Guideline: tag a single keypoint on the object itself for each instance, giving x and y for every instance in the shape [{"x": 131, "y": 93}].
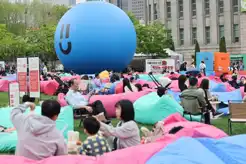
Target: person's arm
[
  {"x": 83, "y": 149},
  {"x": 17, "y": 114},
  {"x": 201, "y": 99},
  {"x": 61, "y": 147},
  {"x": 124, "y": 131},
  {"x": 72, "y": 101}
]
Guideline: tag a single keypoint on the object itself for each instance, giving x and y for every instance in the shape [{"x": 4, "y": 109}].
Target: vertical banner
[
  {"x": 22, "y": 75},
  {"x": 34, "y": 77},
  {"x": 221, "y": 62},
  {"x": 207, "y": 57},
  {"x": 243, "y": 5},
  {"x": 14, "y": 94}
]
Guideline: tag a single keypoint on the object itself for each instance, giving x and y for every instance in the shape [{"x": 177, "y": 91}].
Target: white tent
[{"x": 172, "y": 53}]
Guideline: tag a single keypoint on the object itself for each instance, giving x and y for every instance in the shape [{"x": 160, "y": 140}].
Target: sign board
[
  {"x": 2, "y": 64},
  {"x": 22, "y": 75},
  {"x": 158, "y": 65},
  {"x": 243, "y": 5},
  {"x": 34, "y": 77},
  {"x": 14, "y": 94}
]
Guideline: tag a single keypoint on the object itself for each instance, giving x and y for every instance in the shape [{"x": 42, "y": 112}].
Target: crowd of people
[{"x": 38, "y": 137}]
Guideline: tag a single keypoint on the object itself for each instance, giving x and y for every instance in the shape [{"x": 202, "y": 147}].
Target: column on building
[
  {"x": 200, "y": 21},
  {"x": 214, "y": 24},
  {"x": 228, "y": 21},
  {"x": 243, "y": 32},
  {"x": 175, "y": 22},
  {"x": 162, "y": 11},
  {"x": 187, "y": 22}
]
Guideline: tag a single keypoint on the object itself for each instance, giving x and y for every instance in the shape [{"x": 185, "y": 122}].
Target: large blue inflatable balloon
[{"x": 94, "y": 36}]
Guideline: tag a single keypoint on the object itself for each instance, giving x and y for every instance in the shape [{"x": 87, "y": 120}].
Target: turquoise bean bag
[
  {"x": 147, "y": 78},
  {"x": 8, "y": 141},
  {"x": 150, "y": 108}
]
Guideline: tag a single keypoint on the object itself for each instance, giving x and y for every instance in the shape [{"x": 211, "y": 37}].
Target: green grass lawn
[{"x": 219, "y": 123}]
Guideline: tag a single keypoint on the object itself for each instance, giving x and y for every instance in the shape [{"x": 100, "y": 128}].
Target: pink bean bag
[
  {"x": 229, "y": 88},
  {"x": 173, "y": 76},
  {"x": 61, "y": 99},
  {"x": 150, "y": 83},
  {"x": 198, "y": 128},
  {"x": 215, "y": 79},
  {"x": 132, "y": 155},
  {"x": 4, "y": 85},
  {"x": 242, "y": 91},
  {"x": 174, "y": 86},
  {"x": 109, "y": 101},
  {"x": 49, "y": 87},
  {"x": 67, "y": 78}
]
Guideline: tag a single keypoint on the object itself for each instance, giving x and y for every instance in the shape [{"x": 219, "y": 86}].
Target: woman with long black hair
[
  {"x": 128, "y": 87},
  {"x": 126, "y": 133},
  {"x": 181, "y": 82}
]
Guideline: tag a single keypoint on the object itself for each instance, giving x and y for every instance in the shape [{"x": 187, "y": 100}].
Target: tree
[
  {"x": 152, "y": 39},
  {"x": 197, "y": 49},
  {"x": 28, "y": 29},
  {"x": 223, "y": 45},
  {"x": 172, "y": 47}
]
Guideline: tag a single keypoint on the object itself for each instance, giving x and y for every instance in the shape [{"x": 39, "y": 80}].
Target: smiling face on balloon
[
  {"x": 89, "y": 42},
  {"x": 69, "y": 44}
]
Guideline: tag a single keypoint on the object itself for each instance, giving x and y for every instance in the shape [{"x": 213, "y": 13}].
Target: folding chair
[
  {"x": 237, "y": 111},
  {"x": 191, "y": 106}
]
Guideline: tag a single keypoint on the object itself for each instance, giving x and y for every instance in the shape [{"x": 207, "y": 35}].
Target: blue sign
[{"x": 207, "y": 57}]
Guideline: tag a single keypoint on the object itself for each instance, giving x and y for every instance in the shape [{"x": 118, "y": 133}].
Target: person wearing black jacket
[{"x": 183, "y": 67}]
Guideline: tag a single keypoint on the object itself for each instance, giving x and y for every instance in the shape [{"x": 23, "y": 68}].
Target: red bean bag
[
  {"x": 49, "y": 87},
  {"x": 119, "y": 88}
]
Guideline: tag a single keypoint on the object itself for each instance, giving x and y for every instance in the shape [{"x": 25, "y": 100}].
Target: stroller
[{"x": 63, "y": 86}]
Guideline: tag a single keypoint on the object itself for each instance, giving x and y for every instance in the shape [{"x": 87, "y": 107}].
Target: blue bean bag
[
  {"x": 228, "y": 150},
  {"x": 151, "y": 108},
  {"x": 220, "y": 87}
]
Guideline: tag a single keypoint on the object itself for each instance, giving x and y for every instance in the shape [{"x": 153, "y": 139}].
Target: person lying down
[{"x": 157, "y": 132}]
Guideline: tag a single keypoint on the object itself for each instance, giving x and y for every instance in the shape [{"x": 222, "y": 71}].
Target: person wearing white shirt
[
  {"x": 203, "y": 67},
  {"x": 80, "y": 103},
  {"x": 129, "y": 87}
]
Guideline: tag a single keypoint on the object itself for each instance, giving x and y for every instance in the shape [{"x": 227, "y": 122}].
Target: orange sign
[{"x": 221, "y": 62}]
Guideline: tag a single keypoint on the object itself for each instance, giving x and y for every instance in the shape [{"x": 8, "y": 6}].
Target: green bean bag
[
  {"x": 150, "y": 108},
  {"x": 147, "y": 78},
  {"x": 8, "y": 141}
]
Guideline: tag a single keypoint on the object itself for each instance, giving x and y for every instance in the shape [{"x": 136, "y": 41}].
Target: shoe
[
  {"x": 107, "y": 122},
  {"x": 217, "y": 115}
]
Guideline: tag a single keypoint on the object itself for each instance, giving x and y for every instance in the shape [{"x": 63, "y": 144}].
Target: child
[{"x": 95, "y": 144}]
